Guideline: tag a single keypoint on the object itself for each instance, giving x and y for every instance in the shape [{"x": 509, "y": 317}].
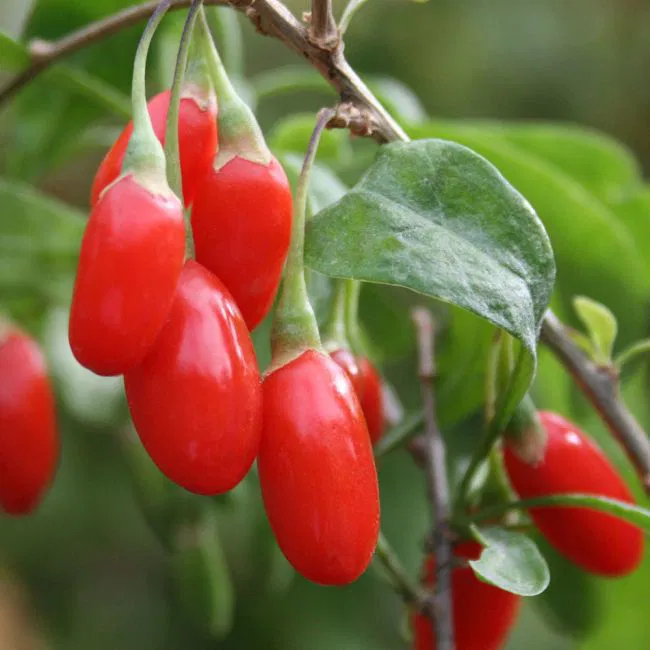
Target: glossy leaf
[
  {"x": 601, "y": 327},
  {"x": 434, "y": 217},
  {"x": 594, "y": 251},
  {"x": 511, "y": 561}
]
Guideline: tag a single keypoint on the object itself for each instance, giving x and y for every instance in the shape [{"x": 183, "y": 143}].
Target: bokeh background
[{"x": 86, "y": 571}]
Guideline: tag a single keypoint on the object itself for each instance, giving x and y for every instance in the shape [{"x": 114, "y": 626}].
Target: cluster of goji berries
[
  {"x": 177, "y": 326},
  {"x": 563, "y": 460}
]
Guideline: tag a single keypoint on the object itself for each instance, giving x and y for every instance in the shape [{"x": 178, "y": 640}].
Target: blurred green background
[{"x": 86, "y": 571}]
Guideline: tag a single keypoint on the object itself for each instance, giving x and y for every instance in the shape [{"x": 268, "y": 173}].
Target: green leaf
[
  {"x": 601, "y": 327},
  {"x": 15, "y": 57},
  {"x": 201, "y": 577},
  {"x": 434, "y": 217},
  {"x": 598, "y": 162},
  {"x": 398, "y": 98},
  {"x": 39, "y": 247},
  {"x": 512, "y": 562},
  {"x": 288, "y": 79}
]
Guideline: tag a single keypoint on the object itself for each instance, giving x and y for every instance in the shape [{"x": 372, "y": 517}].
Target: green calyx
[
  {"x": 239, "y": 133},
  {"x": 295, "y": 328},
  {"x": 145, "y": 158},
  {"x": 525, "y": 433}
]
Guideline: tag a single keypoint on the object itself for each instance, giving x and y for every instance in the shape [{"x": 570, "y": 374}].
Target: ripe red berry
[
  {"x": 372, "y": 399},
  {"x": 367, "y": 386},
  {"x": 241, "y": 221},
  {"x": 598, "y": 542},
  {"x": 197, "y": 134},
  {"x": 484, "y": 615},
  {"x": 131, "y": 258},
  {"x": 28, "y": 436},
  {"x": 317, "y": 470},
  {"x": 196, "y": 399}
]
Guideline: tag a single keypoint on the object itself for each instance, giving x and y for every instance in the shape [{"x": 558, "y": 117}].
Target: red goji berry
[
  {"x": 28, "y": 434},
  {"x": 484, "y": 615},
  {"x": 196, "y": 398},
  {"x": 317, "y": 470},
  {"x": 598, "y": 542}
]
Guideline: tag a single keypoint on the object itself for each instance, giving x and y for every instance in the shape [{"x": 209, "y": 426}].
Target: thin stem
[
  {"x": 569, "y": 500},
  {"x": 600, "y": 386},
  {"x": 172, "y": 149},
  {"x": 323, "y": 26},
  {"x": 141, "y": 119},
  {"x": 396, "y": 573},
  {"x": 225, "y": 26},
  {"x": 352, "y": 294},
  {"x": 295, "y": 325},
  {"x": 348, "y": 14},
  {"x": 335, "y": 333},
  {"x": 638, "y": 348},
  {"x": 399, "y": 435},
  {"x": 239, "y": 132},
  {"x": 437, "y": 482}
]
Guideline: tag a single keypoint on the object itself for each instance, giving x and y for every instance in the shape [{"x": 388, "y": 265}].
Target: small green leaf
[
  {"x": 512, "y": 562},
  {"x": 434, "y": 217},
  {"x": 13, "y": 55},
  {"x": 601, "y": 327}
]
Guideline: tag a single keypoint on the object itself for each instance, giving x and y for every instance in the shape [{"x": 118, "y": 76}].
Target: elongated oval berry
[
  {"x": 317, "y": 471},
  {"x": 196, "y": 399},
  {"x": 197, "y": 135},
  {"x": 28, "y": 436},
  {"x": 484, "y": 615},
  {"x": 131, "y": 258},
  {"x": 598, "y": 542},
  {"x": 367, "y": 386},
  {"x": 241, "y": 221},
  {"x": 372, "y": 399}
]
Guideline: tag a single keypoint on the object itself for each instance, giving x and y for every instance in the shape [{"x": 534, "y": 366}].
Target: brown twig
[
  {"x": 600, "y": 386},
  {"x": 322, "y": 28},
  {"x": 270, "y": 17},
  {"x": 437, "y": 483}
]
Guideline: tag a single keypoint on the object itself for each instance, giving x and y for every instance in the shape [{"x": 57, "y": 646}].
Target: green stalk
[
  {"x": 145, "y": 153},
  {"x": 352, "y": 293},
  {"x": 172, "y": 150},
  {"x": 239, "y": 133},
  {"x": 335, "y": 331},
  {"x": 295, "y": 328}
]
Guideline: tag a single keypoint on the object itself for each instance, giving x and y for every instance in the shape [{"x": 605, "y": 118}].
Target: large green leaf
[
  {"x": 596, "y": 161},
  {"x": 595, "y": 253},
  {"x": 511, "y": 561},
  {"x": 435, "y": 217}
]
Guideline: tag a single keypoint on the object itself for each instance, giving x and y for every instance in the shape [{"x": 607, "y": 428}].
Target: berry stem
[
  {"x": 144, "y": 153},
  {"x": 335, "y": 330},
  {"x": 295, "y": 327},
  {"x": 352, "y": 293},
  {"x": 172, "y": 150},
  {"x": 239, "y": 133},
  {"x": 225, "y": 25}
]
